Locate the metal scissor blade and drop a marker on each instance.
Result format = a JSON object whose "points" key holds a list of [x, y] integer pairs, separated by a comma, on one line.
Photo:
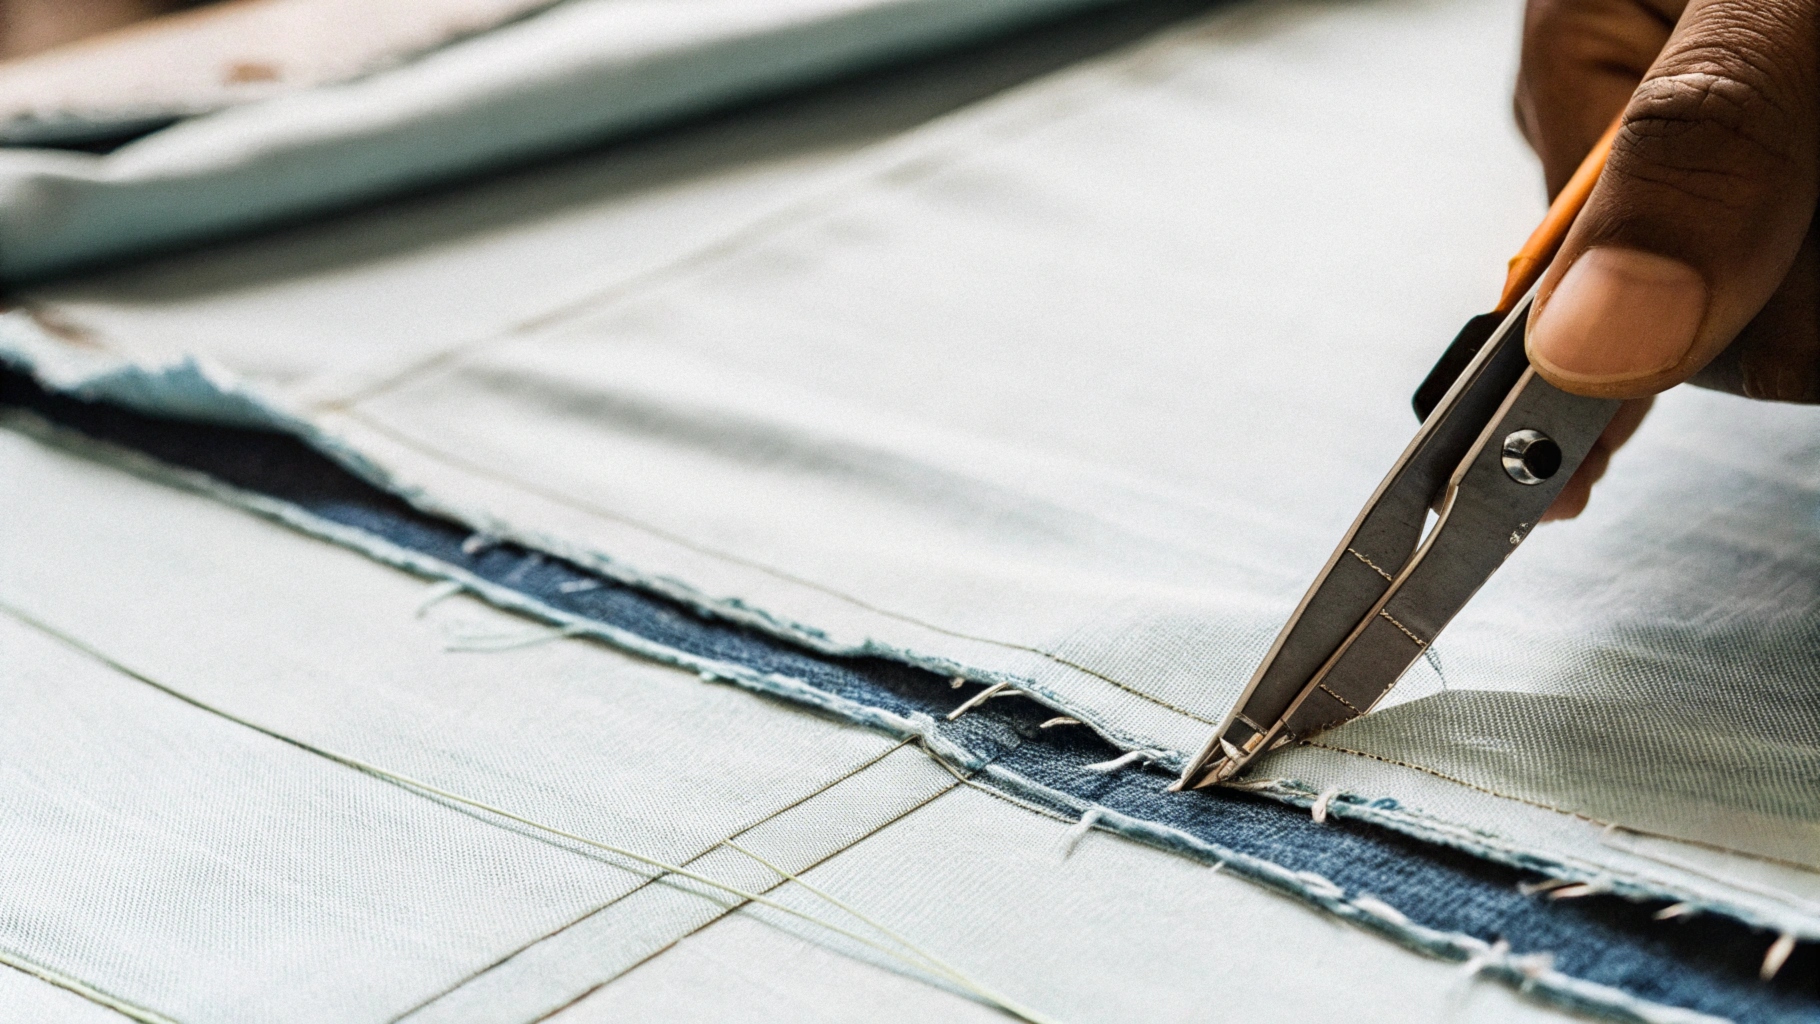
{"points": [[1295, 690], [1516, 468], [1364, 564]]}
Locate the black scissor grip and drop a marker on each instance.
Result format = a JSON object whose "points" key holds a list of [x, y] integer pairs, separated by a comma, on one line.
{"points": [[1454, 361]]}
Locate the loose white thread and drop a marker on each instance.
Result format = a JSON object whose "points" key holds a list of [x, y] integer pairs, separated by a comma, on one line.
{"points": [[1059, 720], [923, 742], [1078, 831], [1319, 811], [477, 542], [1691, 868], [620, 851], [1379, 909], [1532, 966], [493, 643], [1321, 884], [929, 959], [1478, 962], [438, 593], [1531, 888], [979, 698], [957, 682], [1125, 760], [1669, 913], [1777, 955], [1579, 889]]}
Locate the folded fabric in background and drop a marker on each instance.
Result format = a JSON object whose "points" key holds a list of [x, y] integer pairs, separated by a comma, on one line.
{"points": [[118, 84], [579, 72], [1073, 391]]}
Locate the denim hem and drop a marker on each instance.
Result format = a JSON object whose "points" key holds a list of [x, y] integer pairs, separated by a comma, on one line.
{"points": [[192, 389], [1531, 975], [189, 389]]}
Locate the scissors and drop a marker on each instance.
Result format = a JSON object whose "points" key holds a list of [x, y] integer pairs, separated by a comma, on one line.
{"points": [[1496, 445]]}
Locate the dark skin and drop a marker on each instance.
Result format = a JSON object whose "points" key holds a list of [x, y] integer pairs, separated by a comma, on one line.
{"points": [[32, 26], [1697, 257]]}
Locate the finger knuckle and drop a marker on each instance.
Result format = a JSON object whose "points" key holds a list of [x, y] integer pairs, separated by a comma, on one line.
{"points": [[1716, 135]]}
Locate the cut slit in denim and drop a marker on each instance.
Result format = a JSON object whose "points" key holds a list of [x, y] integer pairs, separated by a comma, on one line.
{"points": [[1707, 964]]}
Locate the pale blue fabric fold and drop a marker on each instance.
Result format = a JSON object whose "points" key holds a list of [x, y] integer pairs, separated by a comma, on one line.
{"points": [[577, 73]]}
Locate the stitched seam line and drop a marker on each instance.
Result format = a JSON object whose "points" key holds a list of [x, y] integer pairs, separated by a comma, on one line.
{"points": [[405, 784], [72, 984], [742, 830], [1339, 698], [666, 947], [1449, 778], [1558, 810], [1419, 641], [611, 516], [925, 152], [1354, 552]]}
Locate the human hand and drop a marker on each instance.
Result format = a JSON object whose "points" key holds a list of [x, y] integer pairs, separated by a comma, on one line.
{"points": [[1696, 257]]}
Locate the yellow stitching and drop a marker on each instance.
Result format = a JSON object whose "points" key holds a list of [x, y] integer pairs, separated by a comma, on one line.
{"points": [[1419, 641], [1339, 698], [1354, 552]]}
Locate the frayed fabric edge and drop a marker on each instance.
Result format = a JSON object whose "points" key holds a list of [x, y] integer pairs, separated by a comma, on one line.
{"points": [[196, 389], [1526, 974], [186, 387], [1387, 812]]}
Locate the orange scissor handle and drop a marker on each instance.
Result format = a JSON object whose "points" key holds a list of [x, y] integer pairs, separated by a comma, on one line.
{"points": [[1527, 265]]}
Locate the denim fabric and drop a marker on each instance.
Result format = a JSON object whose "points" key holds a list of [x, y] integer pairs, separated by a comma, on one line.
{"points": [[1708, 963], [152, 577], [1008, 394]]}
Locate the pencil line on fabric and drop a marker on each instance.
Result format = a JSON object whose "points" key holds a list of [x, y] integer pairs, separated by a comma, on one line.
{"points": [[916, 957], [702, 852], [588, 508], [83, 989]]}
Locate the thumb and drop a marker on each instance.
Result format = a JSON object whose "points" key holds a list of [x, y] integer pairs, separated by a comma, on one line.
{"points": [[1702, 207]]}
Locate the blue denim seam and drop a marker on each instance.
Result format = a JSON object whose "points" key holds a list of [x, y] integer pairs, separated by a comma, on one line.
{"points": [[1388, 813], [1310, 888], [218, 395], [194, 388]]}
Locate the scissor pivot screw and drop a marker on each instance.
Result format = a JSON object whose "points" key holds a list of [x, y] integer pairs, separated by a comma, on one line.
{"points": [[1531, 456]]}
